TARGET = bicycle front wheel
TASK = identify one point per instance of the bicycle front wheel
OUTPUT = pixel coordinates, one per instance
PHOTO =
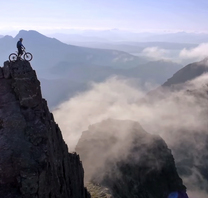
(13, 57)
(28, 56)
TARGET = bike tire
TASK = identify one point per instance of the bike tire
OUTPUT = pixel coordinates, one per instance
(28, 56)
(13, 57)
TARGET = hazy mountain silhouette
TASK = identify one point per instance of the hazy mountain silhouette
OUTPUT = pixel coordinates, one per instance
(6, 46)
(129, 46)
(180, 37)
(67, 38)
(188, 72)
(178, 80)
(76, 78)
(120, 35)
(51, 51)
(155, 71)
(59, 90)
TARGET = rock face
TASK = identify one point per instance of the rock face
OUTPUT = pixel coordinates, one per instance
(122, 157)
(191, 148)
(34, 161)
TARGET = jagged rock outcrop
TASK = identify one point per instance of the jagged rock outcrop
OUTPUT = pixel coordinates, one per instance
(129, 162)
(34, 161)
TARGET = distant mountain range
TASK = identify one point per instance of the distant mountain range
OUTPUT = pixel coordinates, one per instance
(59, 65)
(120, 35)
(154, 71)
(75, 79)
(132, 47)
(49, 52)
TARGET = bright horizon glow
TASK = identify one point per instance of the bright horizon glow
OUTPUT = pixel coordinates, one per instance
(130, 15)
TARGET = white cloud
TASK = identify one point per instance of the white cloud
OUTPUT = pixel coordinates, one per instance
(155, 53)
(198, 52)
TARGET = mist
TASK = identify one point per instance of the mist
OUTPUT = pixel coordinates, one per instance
(176, 118)
(120, 98)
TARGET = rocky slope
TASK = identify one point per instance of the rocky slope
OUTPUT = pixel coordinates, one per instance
(34, 162)
(187, 89)
(178, 80)
(188, 72)
(190, 149)
(129, 162)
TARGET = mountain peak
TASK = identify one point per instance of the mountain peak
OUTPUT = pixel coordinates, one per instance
(30, 33)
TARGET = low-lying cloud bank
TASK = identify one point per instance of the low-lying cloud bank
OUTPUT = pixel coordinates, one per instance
(197, 53)
(118, 99)
(179, 56)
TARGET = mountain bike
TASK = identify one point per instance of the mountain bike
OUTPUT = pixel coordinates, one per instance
(26, 55)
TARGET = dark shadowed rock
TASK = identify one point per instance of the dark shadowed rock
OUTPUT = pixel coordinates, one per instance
(34, 161)
(128, 161)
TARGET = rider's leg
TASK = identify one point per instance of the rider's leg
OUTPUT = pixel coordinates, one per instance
(20, 52)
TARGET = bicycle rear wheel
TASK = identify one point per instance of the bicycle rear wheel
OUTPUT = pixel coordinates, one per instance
(28, 56)
(13, 57)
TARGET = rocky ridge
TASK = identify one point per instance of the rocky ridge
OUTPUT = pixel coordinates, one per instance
(34, 162)
(188, 73)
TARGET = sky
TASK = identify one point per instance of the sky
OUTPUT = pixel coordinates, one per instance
(131, 15)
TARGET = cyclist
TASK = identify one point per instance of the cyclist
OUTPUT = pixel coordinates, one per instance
(20, 47)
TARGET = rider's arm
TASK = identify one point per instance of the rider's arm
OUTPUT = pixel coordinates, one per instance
(22, 45)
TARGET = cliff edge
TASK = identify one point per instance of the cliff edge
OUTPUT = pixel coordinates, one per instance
(34, 162)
